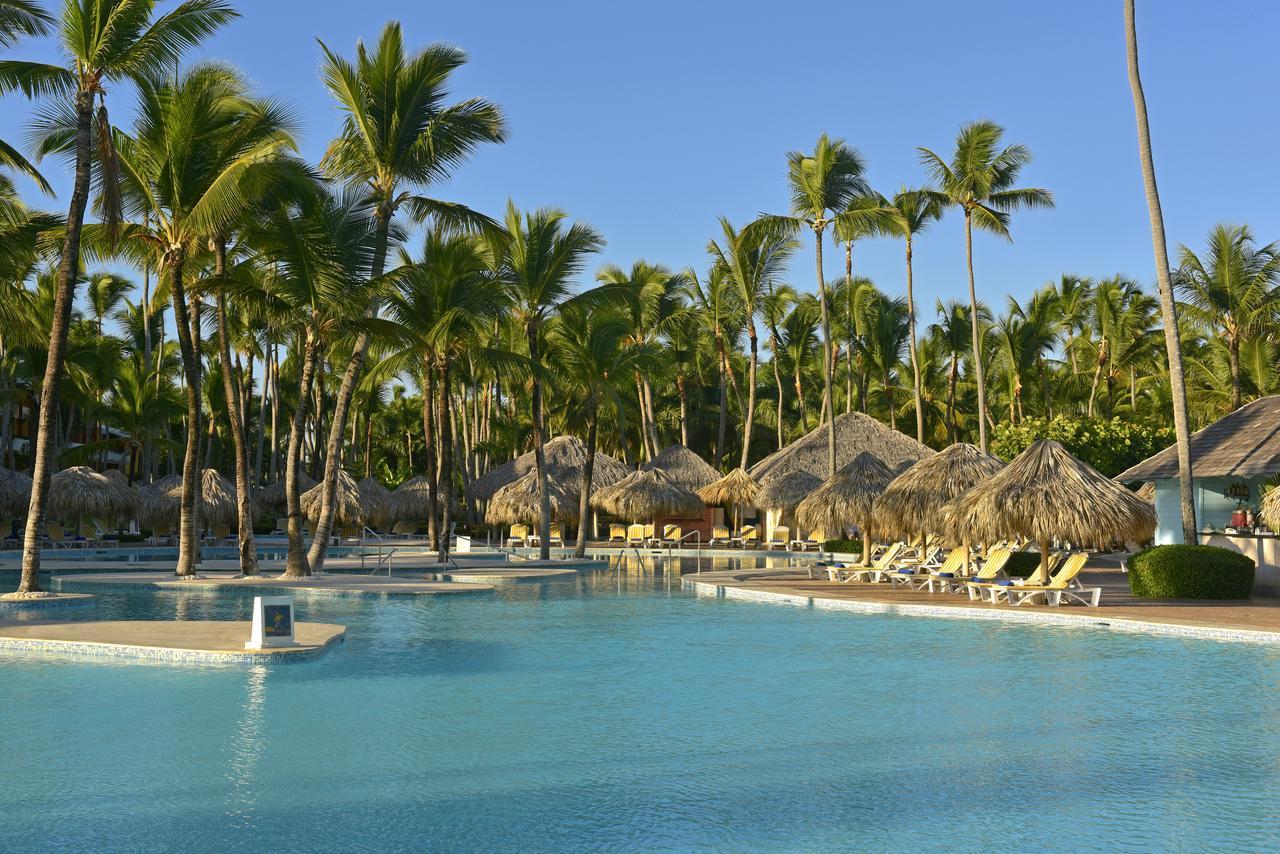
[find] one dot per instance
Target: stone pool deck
(165, 641)
(323, 585)
(1256, 620)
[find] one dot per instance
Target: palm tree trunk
(777, 381)
(275, 413)
(244, 487)
(751, 390)
(539, 448)
(684, 409)
(724, 415)
(64, 299)
(584, 494)
(952, 381)
(804, 410)
(188, 532)
(445, 421)
(653, 417)
(428, 450)
(826, 356)
(296, 565)
(848, 284)
(647, 452)
(1168, 309)
(911, 348)
(979, 374)
(262, 418)
(1233, 351)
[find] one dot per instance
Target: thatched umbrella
(913, 502)
(733, 490)
(377, 498)
(855, 432)
(786, 491)
(1270, 509)
(566, 458)
(15, 492)
(272, 496)
(410, 499)
(522, 502)
(683, 467)
(847, 498)
(215, 499)
(1147, 492)
(350, 508)
(647, 495)
(80, 491)
(1045, 494)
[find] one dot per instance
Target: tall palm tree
(715, 301)
(399, 133)
(542, 258)
(952, 329)
(1231, 290)
(773, 308)
(909, 213)
(753, 260)
(823, 187)
(1168, 309)
(103, 42)
(980, 181)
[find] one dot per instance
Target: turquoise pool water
(617, 713)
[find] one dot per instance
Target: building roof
(1245, 443)
(855, 433)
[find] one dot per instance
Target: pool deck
(515, 574)
(330, 585)
(1256, 620)
(165, 641)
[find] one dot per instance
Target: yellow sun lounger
(993, 590)
(843, 575)
(1059, 586)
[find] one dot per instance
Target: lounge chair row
(749, 537)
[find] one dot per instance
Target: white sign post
(272, 622)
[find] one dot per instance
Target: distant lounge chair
(780, 537)
(749, 535)
(989, 575)
(282, 525)
(649, 534)
(617, 533)
(720, 535)
(635, 534)
(815, 539)
(518, 534)
(556, 536)
(671, 535)
(914, 566)
(1059, 586)
(933, 574)
(843, 575)
(162, 531)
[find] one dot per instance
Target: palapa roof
(913, 502)
(81, 491)
(855, 433)
(846, 500)
(522, 502)
(409, 500)
(215, 499)
(566, 458)
(15, 492)
(1245, 443)
(737, 487)
(350, 506)
(1044, 493)
(1271, 508)
(377, 499)
(647, 495)
(786, 490)
(272, 497)
(685, 468)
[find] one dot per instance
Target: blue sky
(651, 120)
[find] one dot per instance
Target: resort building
(1232, 461)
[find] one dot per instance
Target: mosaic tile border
(719, 591)
(215, 588)
(78, 601)
(158, 654)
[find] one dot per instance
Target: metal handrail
(365, 529)
(388, 559)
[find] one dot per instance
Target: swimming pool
(615, 712)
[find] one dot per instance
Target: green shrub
(844, 546)
(1109, 445)
(1190, 572)
(1022, 564)
(127, 537)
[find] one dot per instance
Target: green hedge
(844, 546)
(1110, 445)
(1190, 572)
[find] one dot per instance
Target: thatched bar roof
(1045, 494)
(15, 492)
(271, 497)
(685, 468)
(377, 499)
(913, 502)
(522, 502)
(161, 502)
(846, 500)
(351, 508)
(855, 433)
(737, 487)
(410, 500)
(1245, 443)
(81, 491)
(566, 461)
(786, 490)
(647, 495)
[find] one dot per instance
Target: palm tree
(774, 307)
(823, 187)
(1168, 310)
(753, 260)
(909, 213)
(953, 330)
(398, 132)
(715, 301)
(979, 180)
(798, 340)
(103, 41)
(1232, 290)
(542, 258)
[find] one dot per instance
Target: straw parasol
(1271, 508)
(215, 499)
(377, 498)
(647, 495)
(683, 467)
(15, 491)
(733, 490)
(566, 458)
(1045, 494)
(913, 502)
(272, 497)
(855, 432)
(521, 502)
(350, 506)
(847, 498)
(410, 499)
(1147, 492)
(80, 491)
(785, 491)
